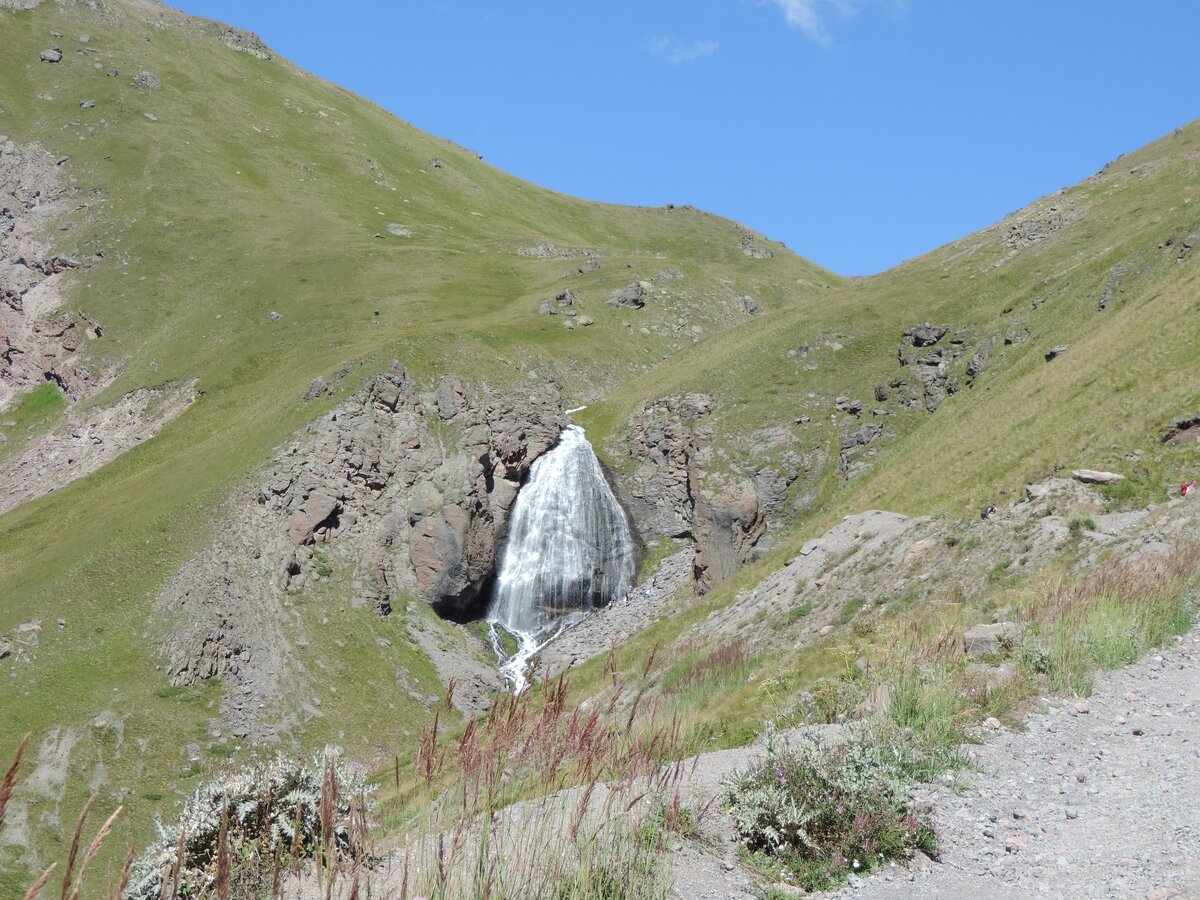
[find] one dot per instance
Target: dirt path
(1098, 798)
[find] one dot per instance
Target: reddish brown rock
(318, 509)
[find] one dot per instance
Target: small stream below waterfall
(569, 551)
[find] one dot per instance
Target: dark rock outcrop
(369, 493)
(669, 495)
(632, 297)
(931, 366)
(728, 524)
(925, 335)
(372, 471)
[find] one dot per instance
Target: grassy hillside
(245, 186)
(1105, 402)
(256, 188)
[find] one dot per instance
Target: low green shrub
(821, 815)
(796, 613)
(850, 610)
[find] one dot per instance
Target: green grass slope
(1105, 402)
(245, 186)
(253, 187)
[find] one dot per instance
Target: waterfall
(569, 551)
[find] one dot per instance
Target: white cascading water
(569, 551)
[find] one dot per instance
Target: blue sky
(859, 132)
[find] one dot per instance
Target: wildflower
(841, 809)
(856, 864)
(779, 775)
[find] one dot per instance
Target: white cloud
(677, 50)
(809, 16)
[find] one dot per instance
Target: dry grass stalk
(73, 854)
(10, 778)
(126, 872)
(93, 849)
(223, 862)
(33, 892)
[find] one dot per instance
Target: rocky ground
(1095, 798)
(38, 341)
(87, 441)
(664, 592)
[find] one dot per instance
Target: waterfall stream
(569, 551)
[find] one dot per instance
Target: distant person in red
(1186, 488)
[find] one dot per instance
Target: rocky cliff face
(411, 492)
(670, 495)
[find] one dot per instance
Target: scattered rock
(748, 304)
(87, 104)
(986, 639)
(849, 406)
(398, 230)
(1112, 284)
(1093, 476)
(146, 79)
(632, 297)
(315, 389)
(565, 298)
(274, 316)
(1055, 352)
(1185, 429)
(53, 55)
(925, 335)
(752, 248)
(545, 309)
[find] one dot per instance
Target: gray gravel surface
(1097, 798)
